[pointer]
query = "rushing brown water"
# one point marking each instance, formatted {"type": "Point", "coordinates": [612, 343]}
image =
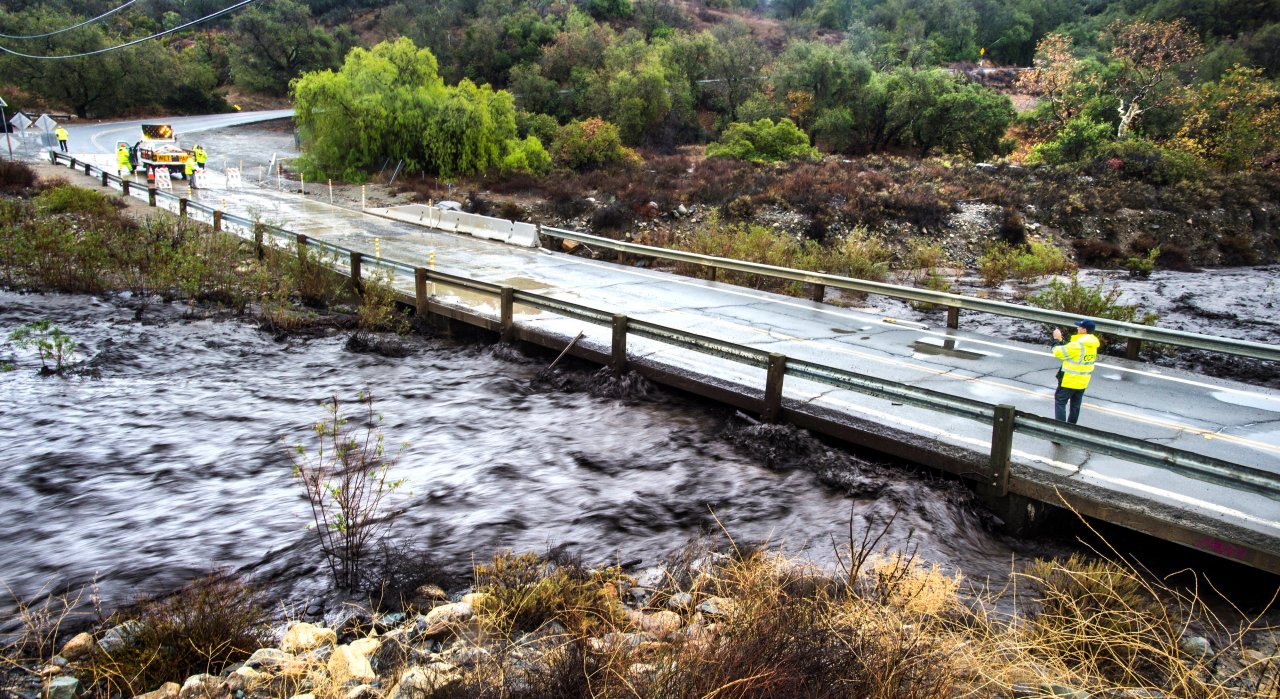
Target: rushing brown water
{"type": "Point", "coordinates": [167, 456]}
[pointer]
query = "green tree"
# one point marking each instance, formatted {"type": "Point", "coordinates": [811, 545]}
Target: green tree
{"type": "Point", "coordinates": [1148, 54]}
{"type": "Point", "coordinates": [590, 143]}
{"type": "Point", "coordinates": [1233, 123]}
{"type": "Point", "coordinates": [1082, 138]}
{"type": "Point", "coordinates": [762, 142]}
{"type": "Point", "coordinates": [735, 64]}
{"type": "Point", "coordinates": [276, 42]}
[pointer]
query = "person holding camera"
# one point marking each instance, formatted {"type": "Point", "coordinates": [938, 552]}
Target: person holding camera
{"type": "Point", "coordinates": [1078, 356]}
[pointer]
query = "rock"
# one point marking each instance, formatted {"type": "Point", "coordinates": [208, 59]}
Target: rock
{"type": "Point", "coordinates": [719, 606]}
{"type": "Point", "coordinates": [660, 624]}
{"type": "Point", "coordinates": [431, 592]}
{"type": "Point", "coordinates": [301, 637]}
{"type": "Point", "coordinates": [365, 646]}
{"type": "Point", "coordinates": [651, 577]}
{"type": "Point", "coordinates": [305, 695]}
{"type": "Point", "coordinates": [347, 664]}
{"type": "Point", "coordinates": [682, 210]}
{"type": "Point", "coordinates": [569, 245]}
{"type": "Point", "coordinates": [119, 636]}
{"type": "Point", "coordinates": [420, 682]}
{"type": "Point", "coordinates": [985, 167]}
{"type": "Point", "coordinates": [50, 670]}
{"type": "Point", "coordinates": [60, 661]}
{"type": "Point", "coordinates": [64, 687]}
{"type": "Point", "coordinates": [476, 599]}
{"type": "Point", "coordinates": [270, 659]}
{"type": "Point", "coordinates": [362, 691]}
{"type": "Point", "coordinates": [315, 609]}
{"type": "Point", "coordinates": [202, 687]}
{"type": "Point", "coordinates": [1197, 647]}
{"type": "Point", "coordinates": [389, 621]}
{"type": "Point", "coordinates": [640, 596]}
{"type": "Point", "coordinates": [80, 646]}
{"type": "Point", "coordinates": [450, 613]}
{"type": "Point", "coordinates": [392, 654]}
{"type": "Point", "coordinates": [1050, 689]}
{"type": "Point", "coordinates": [243, 678]}
{"type": "Point", "coordinates": [168, 690]}
{"type": "Point", "coordinates": [680, 600]}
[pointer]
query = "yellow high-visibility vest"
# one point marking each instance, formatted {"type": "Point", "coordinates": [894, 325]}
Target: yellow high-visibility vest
{"type": "Point", "coordinates": [1078, 357]}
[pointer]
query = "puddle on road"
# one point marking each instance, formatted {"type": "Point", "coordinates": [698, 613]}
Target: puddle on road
{"type": "Point", "coordinates": [523, 283]}
{"type": "Point", "coordinates": [947, 348]}
{"type": "Point", "coordinates": [1249, 400]}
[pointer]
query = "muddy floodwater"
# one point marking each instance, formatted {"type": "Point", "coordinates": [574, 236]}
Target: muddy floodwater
{"type": "Point", "coordinates": [167, 456]}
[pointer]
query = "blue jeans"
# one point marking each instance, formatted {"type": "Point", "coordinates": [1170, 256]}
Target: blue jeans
{"type": "Point", "coordinates": [1064, 395]}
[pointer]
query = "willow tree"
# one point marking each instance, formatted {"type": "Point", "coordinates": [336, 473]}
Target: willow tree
{"type": "Point", "coordinates": [390, 103]}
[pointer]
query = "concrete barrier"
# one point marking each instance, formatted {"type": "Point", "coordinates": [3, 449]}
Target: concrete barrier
{"type": "Point", "coordinates": [486, 227]}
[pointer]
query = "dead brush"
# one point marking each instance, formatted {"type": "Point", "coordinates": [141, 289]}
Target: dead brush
{"type": "Point", "coordinates": [205, 626]}
{"type": "Point", "coordinates": [30, 633]}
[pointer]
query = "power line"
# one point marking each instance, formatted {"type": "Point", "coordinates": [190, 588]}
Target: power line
{"type": "Point", "coordinates": [104, 15]}
{"type": "Point", "coordinates": [157, 35]}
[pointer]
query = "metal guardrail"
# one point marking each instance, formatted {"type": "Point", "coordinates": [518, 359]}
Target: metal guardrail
{"type": "Point", "coordinates": [1186, 463]}
{"type": "Point", "coordinates": [1243, 348]}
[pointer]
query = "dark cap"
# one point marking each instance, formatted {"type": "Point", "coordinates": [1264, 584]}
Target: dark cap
{"type": "Point", "coordinates": [1086, 324]}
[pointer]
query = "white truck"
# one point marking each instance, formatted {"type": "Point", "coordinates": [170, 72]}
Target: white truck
{"type": "Point", "coordinates": [159, 148]}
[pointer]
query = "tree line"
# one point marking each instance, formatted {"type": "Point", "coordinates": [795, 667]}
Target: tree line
{"type": "Point", "coordinates": [1150, 80]}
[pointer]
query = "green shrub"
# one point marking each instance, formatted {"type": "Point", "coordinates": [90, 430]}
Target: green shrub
{"type": "Point", "coordinates": [377, 311]}
{"type": "Point", "coordinates": [541, 126]}
{"type": "Point", "coordinates": [1002, 261]}
{"type": "Point", "coordinates": [762, 141]}
{"type": "Point", "coordinates": [590, 143]}
{"type": "Point", "coordinates": [209, 624]}
{"type": "Point", "coordinates": [1081, 139]}
{"type": "Point", "coordinates": [526, 156]}
{"type": "Point", "coordinates": [1143, 266]}
{"type": "Point", "coordinates": [1091, 301]}
{"type": "Point", "coordinates": [1143, 160]}
{"type": "Point", "coordinates": [51, 342]}
{"type": "Point", "coordinates": [69, 199]}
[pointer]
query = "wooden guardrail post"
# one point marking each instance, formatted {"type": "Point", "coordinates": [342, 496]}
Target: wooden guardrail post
{"type": "Point", "coordinates": [507, 299]}
{"type": "Point", "coordinates": [104, 178]}
{"type": "Point", "coordinates": [355, 271]}
{"type": "Point", "coordinates": [711, 273]}
{"type": "Point", "coordinates": [420, 291]}
{"type": "Point", "coordinates": [302, 248]}
{"type": "Point", "coordinates": [619, 344]}
{"type": "Point", "coordinates": [87, 168]}
{"type": "Point", "coordinates": [182, 207]}
{"type": "Point", "coordinates": [773, 388]}
{"type": "Point", "coordinates": [258, 232]}
{"type": "Point", "coordinates": [817, 292]}
{"type": "Point", "coordinates": [217, 220]}
{"type": "Point", "coordinates": [1001, 449]}
{"type": "Point", "coordinates": [124, 187]}
{"type": "Point", "coordinates": [1132, 347]}
{"type": "Point", "coordinates": [953, 317]}
{"type": "Point", "coordinates": [151, 196]}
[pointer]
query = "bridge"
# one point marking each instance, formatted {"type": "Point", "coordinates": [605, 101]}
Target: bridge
{"type": "Point", "coordinates": [1183, 457]}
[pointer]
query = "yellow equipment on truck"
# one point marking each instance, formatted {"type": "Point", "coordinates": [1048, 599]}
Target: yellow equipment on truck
{"type": "Point", "coordinates": [159, 148]}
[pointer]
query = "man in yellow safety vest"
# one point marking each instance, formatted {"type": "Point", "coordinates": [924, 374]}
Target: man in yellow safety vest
{"type": "Point", "coordinates": [61, 135]}
{"type": "Point", "coordinates": [189, 170]}
{"type": "Point", "coordinates": [124, 158]}
{"type": "Point", "coordinates": [201, 156]}
{"type": "Point", "coordinates": [1078, 357]}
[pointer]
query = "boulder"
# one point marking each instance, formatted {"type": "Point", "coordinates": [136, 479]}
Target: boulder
{"type": "Point", "coordinates": [302, 637]}
{"type": "Point", "coordinates": [270, 659]}
{"type": "Point", "coordinates": [450, 613]}
{"type": "Point", "coordinates": [168, 690]}
{"type": "Point", "coordinates": [420, 682]}
{"type": "Point", "coordinates": [660, 624]}
{"type": "Point", "coordinates": [80, 646]}
{"type": "Point", "coordinates": [64, 687]}
{"type": "Point", "coordinates": [393, 653]}
{"type": "Point", "coordinates": [1195, 647]}
{"type": "Point", "coordinates": [680, 601]}
{"type": "Point", "coordinates": [718, 606]}
{"type": "Point", "coordinates": [347, 664]}
{"type": "Point", "coordinates": [431, 592]}
{"type": "Point", "coordinates": [362, 691]}
{"type": "Point", "coordinates": [119, 636]}
{"type": "Point", "coordinates": [202, 687]}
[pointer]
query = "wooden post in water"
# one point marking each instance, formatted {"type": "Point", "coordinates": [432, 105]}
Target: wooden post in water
{"type": "Point", "coordinates": [772, 411]}
{"type": "Point", "coordinates": [507, 298]}
{"type": "Point", "coordinates": [1001, 450]}
{"type": "Point", "coordinates": [953, 317]}
{"type": "Point", "coordinates": [355, 271]}
{"type": "Point", "coordinates": [258, 232]}
{"type": "Point", "coordinates": [619, 344]}
{"type": "Point", "coordinates": [420, 290]}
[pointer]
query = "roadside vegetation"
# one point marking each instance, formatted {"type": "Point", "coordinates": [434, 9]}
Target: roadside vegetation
{"type": "Point", "coordinates": [59, 237]}
{"type": "Point", "coordinates": [713, 620]}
